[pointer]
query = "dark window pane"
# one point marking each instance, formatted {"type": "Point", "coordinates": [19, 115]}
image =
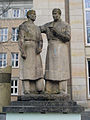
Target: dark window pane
{"type": "Point", "coordinates": [87, 18]}
{"type": "Point", "coordinates": [16, 56]}
{"type": "Point", "coordinates": [15, 82]}
{"type": "Point", "coordinates": [16, 63]}
{"type": "Point", "coordinates": [4, 56]}
{"type": "Point", "coordinates": [12, 56]}
{"type": "Point", "coordinates": [1, 38]}
{"type": "Point", "coordinates": [11, 90]}
{"type": "Point", "coordinates": [12, 83]}
{"type": "Point", "coordinates": [87, 3]}
{"type": "Point", "coordinates": [88, 34]}
{"type": "Point", "coordinates": [0, 56]}
{"type": "Point", "coordinates": [13, 37]}
{"type": "Point", "coordinates": [89, 85]}
{"type": "Point", "coordinates": [13, 30]}
{"type": "Point", "coordinates": [2, 31]}
{"type": "Point", "coordinates": [15, 90]}
{"type": "Point", "coordinates": [89, 68]}
{"type": "Point", "coordinates": [16, 37]}
{"type": "Point", "coordinates": [5, 31]}
{"type": "Point", "coordinates": [0, 63]}
{"type": "Point", "coordinates": [12, 63]}
{"type": "Point", "coordinates": [4, 63]}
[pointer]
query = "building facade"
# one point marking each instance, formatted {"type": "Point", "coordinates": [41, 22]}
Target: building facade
{"type": "Point", "coordinates": [75, 12]}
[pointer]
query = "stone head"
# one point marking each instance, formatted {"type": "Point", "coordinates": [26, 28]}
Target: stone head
{"type": "Point", "coordinates": [31, 14]}
{"type": "Point", "coordinates": [56, 13]}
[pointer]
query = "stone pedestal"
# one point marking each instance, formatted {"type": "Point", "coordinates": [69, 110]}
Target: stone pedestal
{"type": "Point", "coordinates": [44, 103]}
{"type": "Point", "coordinates": [5, 87]}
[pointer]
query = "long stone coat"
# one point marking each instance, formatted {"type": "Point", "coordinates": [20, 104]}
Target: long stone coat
{"type": "Point", "coordinates": [30, 44]}
{"type": "Point", "coordinates": [57, 59]}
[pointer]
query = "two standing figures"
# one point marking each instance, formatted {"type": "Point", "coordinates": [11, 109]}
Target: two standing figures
{"type": "Point", "coordinates": [57, 69]}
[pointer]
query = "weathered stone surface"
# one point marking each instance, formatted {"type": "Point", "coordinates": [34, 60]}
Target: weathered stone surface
{"type": "Point", "coordinates": [5, 87]}
{"type": "Point", "coordinates": [43, 97]}
{"type": "Point", "coordinates": [5, 77]}
{"type": "Point", "coordinates": [44, 103]}
{"type": "Point", "coordinates": [85, 115]}
{"type": "Point", "coordinates": [30, 45]}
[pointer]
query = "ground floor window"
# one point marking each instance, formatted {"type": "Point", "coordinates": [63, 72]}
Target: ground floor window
{"type": "Point", "coordinates": [88, 76]}
{"type": "Point", "coordinates": [14, 86]}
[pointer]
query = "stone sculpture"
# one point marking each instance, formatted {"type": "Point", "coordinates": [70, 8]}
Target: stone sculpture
{"type": "Point", "coordinates": [57, 60]}
{"type": "Point", "coordinates": [30, 45]}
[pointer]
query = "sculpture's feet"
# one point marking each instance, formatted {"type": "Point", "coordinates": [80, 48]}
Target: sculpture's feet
{"type": "Point", "coordinates": [26, 92]}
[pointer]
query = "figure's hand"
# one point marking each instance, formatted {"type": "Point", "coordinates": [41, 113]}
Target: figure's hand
{"type": "Point", "coordinates": [38, 51]}
{"type": "Point", "coordinates": [52, 29]}
{"type": "Point", "coordinates": [23, 56]}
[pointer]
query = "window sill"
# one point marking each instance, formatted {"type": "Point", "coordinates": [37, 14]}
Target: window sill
{"type": "Point", "coordinates": [14, 95]}
{"type": "Point", "coordinates": [14, 41]}
{"type": "Point", "coordinates": [3, 41]}
{"type": "Point", "coordinates": [3, 67]}
{"type": "Point", "coordinates": [15, 67]}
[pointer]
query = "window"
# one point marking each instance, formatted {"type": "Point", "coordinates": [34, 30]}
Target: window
{"type": "Point", "coordinates": [14, 34]}
{"type": "Point", "coordinates": [14, 60]}
{"type": "Point", "coordinates": [3, 60]}
{"type": "Point", "coordinates": [14, 87]}
{"type": "Point", "coordinates": [87, 20]}
{"type": "Point", "coordinates": [3, 34]}
{"type": "Point", "coordinates": [16, 13]}
{"type": "Point", "coordinates": [25, 12]}
{"type": "Point", "coordinates": [88, 76]}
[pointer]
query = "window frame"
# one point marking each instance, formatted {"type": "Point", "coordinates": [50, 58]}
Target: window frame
{"type": "Point", "coordinates": [4, 34]}
{"type": "Point", "coordinates": [16, 13]}
{"type": "Point", "coordinates": [16, 35]}
{"type": "Point", "coordinates": [85, 10]}
{"type": "Point", "coordinates": [3, 60]}
{"type": "Point", "coordinates": [15, 60]}
{"type": "Point", "coordinates": [13, 87]}
{"type": "Point", "coordinates": [88, 59]}
{"type": "Point", "coordinates": [24, 12]}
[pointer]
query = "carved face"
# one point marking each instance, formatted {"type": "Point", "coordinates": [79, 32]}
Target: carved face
{"type": "Point", "coordinates": [56, 15]}
{"type": "Point", "coordinates": [32, 16]}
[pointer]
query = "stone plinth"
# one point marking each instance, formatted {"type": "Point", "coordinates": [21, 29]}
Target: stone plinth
{"type": "Point", "coordinates": [5, 87]}
{"type": "Point", "coordinates": [43, 103]}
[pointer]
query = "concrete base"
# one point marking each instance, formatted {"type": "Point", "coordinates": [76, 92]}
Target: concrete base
{"type": "Point", "coordinates": [39, 116]}
{"type": "Point", "coordinates": [2, 116]}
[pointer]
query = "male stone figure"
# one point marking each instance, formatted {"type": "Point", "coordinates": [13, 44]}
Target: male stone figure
{"type": "Point", "coordinates": [57, 60]}
{"type": "Point", "coordinates": [30, 45]}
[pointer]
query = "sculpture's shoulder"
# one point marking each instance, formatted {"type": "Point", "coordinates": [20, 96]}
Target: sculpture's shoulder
{"type": "Point", "coordinates": [23, 25]}
{"type": "Point", "coordinates": [65, 24]}
{"type": "Point", "coordinates": [48, 24]}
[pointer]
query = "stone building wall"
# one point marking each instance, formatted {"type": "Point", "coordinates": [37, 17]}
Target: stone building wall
{"type": "Point", "coordinates": [78, 64]}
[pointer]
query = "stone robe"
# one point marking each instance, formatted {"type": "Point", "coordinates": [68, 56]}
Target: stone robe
{"type": "Point", "coordinates": [57, 59]}
{"type": "Point", "coordinates": [30, 44]}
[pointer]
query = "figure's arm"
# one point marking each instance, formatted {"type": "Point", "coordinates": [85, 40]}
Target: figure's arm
{"type": "Point", "coordinates": [21, 42]}
{"type": "Point", "coordinates": [39, 43]}
{"type": "Point", "coordinates": [64, 34]}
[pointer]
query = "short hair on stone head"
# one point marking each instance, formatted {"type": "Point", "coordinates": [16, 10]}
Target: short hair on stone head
{"type": "Point", "coordinates": [57, 10]}
{"type": "Point", "coordinates": [30, 12]}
